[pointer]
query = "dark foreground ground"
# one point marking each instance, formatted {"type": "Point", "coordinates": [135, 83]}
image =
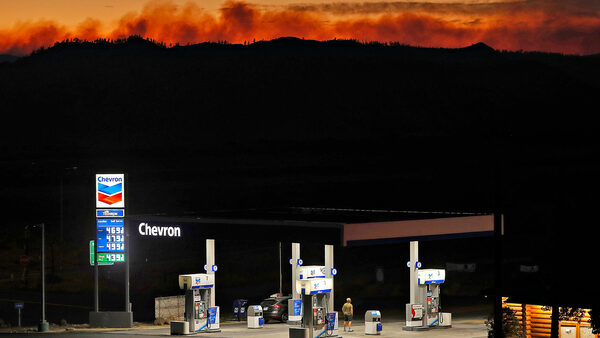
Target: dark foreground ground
{"type": "Point", "coordinates": [467, 322]}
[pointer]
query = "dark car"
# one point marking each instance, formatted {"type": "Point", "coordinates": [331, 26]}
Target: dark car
{"type": "Point", "coordinates": [275, 308]}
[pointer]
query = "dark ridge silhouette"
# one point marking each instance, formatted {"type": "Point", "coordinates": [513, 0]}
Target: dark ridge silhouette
{"type": "Point", "coordinates": [286, 42]}
{"type": "Point", "coordinates": [424, 92]}
{"type": "Point", "coordinates": [480, 48]}
{"type": "Point", "coordinates": [8, 58]}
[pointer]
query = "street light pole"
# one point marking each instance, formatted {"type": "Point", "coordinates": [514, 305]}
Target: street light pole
{"type": "Point", "coordinates": [280, 275]}
{"type": "Point", "coordinates": [43, 325]}
{"type": "Point", "coordinates": [62, 206]}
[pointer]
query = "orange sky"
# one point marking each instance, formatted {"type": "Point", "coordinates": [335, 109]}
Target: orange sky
{"type": "Point", "coordinates": [565, 26]}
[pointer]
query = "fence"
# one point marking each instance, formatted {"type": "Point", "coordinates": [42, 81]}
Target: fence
{"type": "Point", "coordinates": [168, 308]}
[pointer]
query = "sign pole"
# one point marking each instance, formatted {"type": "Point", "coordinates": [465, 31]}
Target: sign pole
{"type": "Point", "coordinates": [43, 326]}
{"type": "Point", "coordinates": [126, 253]}
{"type": "Point", "coordinates": [19, 306]}
{"type": "Point", "coordinates": [127, 302]}
{"type": "Point", "coordinates": [43, 273]}
{"type": "Point", "coordinates": [96, 303]}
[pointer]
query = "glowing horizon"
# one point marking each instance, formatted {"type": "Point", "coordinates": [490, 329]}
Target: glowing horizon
{"type": "Point", "coordinates": [529, 25]}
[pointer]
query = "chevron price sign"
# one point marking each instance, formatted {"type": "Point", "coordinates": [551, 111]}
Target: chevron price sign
{"type": "Point", "coordinates": [110, 218]}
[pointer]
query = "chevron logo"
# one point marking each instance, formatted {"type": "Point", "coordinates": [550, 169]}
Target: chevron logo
{"type": "Point", "coordinates": [110, 194]}
{"type": "Point", "coordinates": [110, 191]}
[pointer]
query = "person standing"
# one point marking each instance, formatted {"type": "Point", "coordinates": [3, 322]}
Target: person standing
{"type": "Point", "coordinates": [348, 311]}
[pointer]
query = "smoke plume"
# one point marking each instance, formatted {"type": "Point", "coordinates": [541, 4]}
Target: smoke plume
{"type": "Point", "coordinates": [536, 25]}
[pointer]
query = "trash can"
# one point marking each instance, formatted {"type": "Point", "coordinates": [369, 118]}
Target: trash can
{"type": "Point", "coordinates": [373, 322]}
{"type": "Point", "coordinates": [239, 309]}
{"type": "Point", "coordinates": [255, 317]}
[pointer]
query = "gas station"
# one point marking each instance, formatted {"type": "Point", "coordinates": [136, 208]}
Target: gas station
{"type": "Point", "coordinates": [173, 247]}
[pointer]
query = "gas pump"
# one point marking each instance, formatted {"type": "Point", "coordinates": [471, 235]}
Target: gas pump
{"type": "Point", "coordinates": [424, 310]}
{"type": "Point", "coordinates": [315, 288]}
{"type": "Point", "coordinates": [428, 314]}
{"type": "Point", "coordinates": [200, 315]}
{"type": "Point", "coordinates": [431, 280]}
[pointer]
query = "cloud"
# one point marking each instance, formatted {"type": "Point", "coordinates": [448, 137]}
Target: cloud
{"type": "Point", "coordinates": [540, 25]}
{"type": "Point", "coordinates": [583, 8]}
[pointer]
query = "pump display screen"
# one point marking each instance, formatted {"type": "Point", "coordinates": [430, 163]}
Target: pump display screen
{"type": "Point", "coordinates": [111, 235]}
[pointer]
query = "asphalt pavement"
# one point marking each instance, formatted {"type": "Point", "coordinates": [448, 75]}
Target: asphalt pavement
{"type": "Point", "coordinates": [461, 327]}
